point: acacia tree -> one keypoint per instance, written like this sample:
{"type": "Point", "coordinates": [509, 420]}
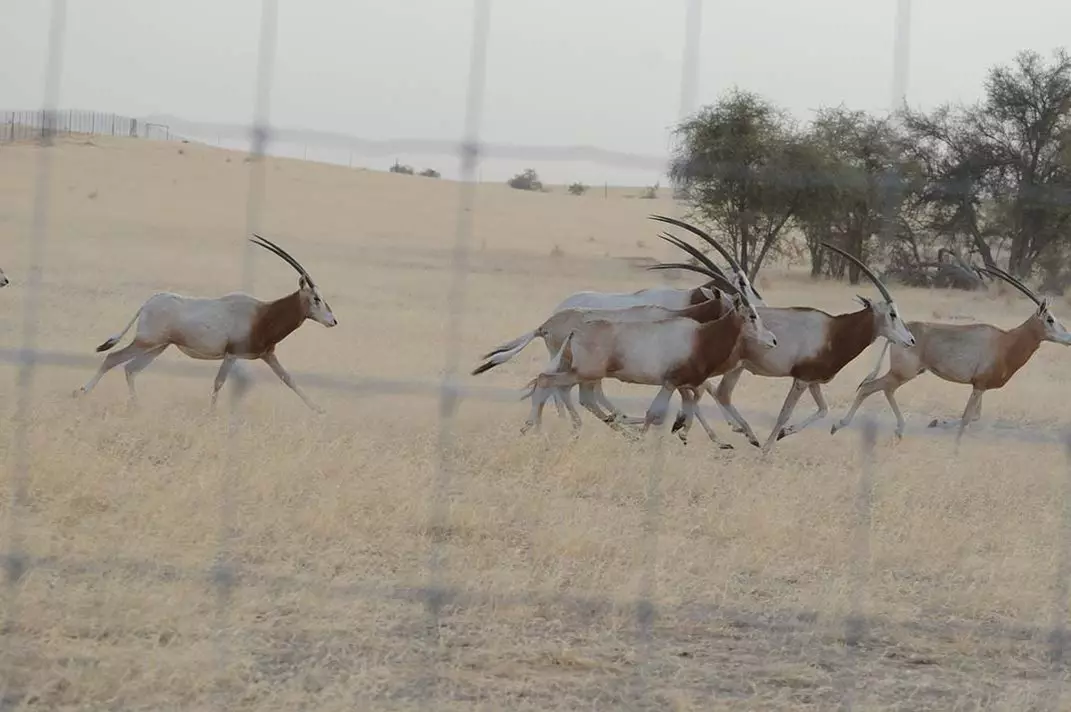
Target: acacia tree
{"type": "Point", "coordinates": [857, 185]}
{"type": "Point", "coordinates": [955, 164]}
{"type": "Point", "coordinates": [1025, 124]}
{"type": "Point", "coordinates": [741, 165]}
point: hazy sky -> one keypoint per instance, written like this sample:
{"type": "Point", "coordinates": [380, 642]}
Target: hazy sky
{"type": "Point", "coordinates": [598, 72]}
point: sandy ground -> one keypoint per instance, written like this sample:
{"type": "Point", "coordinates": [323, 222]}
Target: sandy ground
{"type": "Point", "coordinates": [173, 559]}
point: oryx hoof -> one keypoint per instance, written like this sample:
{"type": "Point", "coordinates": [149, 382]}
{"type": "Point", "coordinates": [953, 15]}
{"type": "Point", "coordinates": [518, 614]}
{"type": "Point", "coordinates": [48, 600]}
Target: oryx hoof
{"type": "Point", "coordinates": [678, 423]}
{"type": "Point", "coordinates": [756, 443]}
{"type": "Point", "coordinates": [737, 429]}
{"type": "Point", "coordinates": [726, 446]}
{"type": "Point", "coordinates": [833, 429]}
{"type": "Point", "coordinates": [785, 432]}
{"type": "Point", "coordinates": [934, 423]}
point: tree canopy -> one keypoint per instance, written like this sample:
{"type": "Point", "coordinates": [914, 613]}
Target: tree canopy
{"type": "Point", "coordinates": [988, 183]}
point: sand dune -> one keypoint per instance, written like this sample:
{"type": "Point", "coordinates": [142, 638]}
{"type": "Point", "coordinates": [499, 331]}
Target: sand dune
{"type": "Point", "coordinates": [328, 522]}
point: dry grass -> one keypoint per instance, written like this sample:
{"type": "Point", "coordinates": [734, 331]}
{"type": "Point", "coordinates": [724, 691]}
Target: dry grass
{"type": "Point", "coordinates": [544, 544]}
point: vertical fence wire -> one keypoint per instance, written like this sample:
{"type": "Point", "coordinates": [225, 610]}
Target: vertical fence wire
{"type": "Point", "coordinates": [1061, 589]}
{"type": "Point", "coordinates": [224, 573]}
{"type": "Point", "coordinates": [449, 392]}
{"type": "Point", "coordinates": [646, 597]}
{"type": "Point", "coordinates": [17, 560]}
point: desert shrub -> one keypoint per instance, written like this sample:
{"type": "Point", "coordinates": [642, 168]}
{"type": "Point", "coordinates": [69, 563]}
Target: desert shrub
{"type": "Point", "coordinates": [526, 180]}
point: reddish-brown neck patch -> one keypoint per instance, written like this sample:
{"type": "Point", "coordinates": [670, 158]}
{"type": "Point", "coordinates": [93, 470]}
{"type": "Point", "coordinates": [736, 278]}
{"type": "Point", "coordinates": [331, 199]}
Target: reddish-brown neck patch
{"type": "Point", "coordinates": [273, 323]}
{"type": "Point", "coordinates": [846, 337]}
{"type": "Point", "coordinates": [1016, 348]}
{"type": "Point", "coordinates": [715, 350]}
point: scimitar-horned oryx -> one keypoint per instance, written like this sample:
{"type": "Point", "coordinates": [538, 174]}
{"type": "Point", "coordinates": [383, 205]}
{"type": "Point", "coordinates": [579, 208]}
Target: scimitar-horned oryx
{"type": "Point", "coordinates": [812, 348]}
{"type": "Point", "coordinates": [666, 297]}
{"type": "Point", "coordinates": [234, 326]}
{"type": "Point", "coordinates": [982, 355]}
{"type": "Point", "coordinates": [675, 353]}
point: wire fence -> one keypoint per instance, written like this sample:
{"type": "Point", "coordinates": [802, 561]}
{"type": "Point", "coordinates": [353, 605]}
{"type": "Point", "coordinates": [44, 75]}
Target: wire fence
{"type": "Point", "coordinates": [439, 598]}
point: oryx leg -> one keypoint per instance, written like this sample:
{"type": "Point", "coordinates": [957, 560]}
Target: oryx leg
{"type": "Point", "coordinates": [116, 358]}
{"type": "Point", "coordinates": [887, 384]}
{"type": "Point", "coordinates": [823, 410]}
{"type": "Point", "coordinates": [971, 413]}
{"type": "Point", "coordinates": [613, 409]}
{"type": "Point", "coordinates": [279, 371]}
{"type": "Point", "coordinates": [793, 397]}
{"type": "Point", "coordinates": [138, 364]}
{"type": "Point", "coordinates": [690, 408]}
{"type": "Point", "coordinates": [562, 401]}
{"type": "Point", "coordinates": [656, 412]}
{"type": "Point", "coordinates": [535, 415]}
{"type": "Point", "coordinates": [723, 395]}
{"type": "Point", "coordinates": [221, 376]}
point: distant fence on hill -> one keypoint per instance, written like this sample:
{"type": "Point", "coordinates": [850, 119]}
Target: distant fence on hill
{"type": "Point", "coordinates": [32, 125]}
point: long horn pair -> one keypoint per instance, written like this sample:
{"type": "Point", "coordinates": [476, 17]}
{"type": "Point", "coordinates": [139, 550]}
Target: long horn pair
{"type": "Point", "coordinates": [705, 237]}
{"type": "Point", "coordinates": [282, 254]}
{"type": "Point", "coordinates": [715, 277]}
{"type": "Point", "coordinates": [998, 272]}
{"type": "Point", "coordinates": [703, 259]}
{"type": "Point", "coordinates": [866, 270]}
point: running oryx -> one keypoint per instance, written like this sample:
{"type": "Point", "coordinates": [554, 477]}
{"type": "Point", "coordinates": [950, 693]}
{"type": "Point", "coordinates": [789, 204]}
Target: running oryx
{"type": "Point", "coordinates": [675, 353]}
{"type": "Point", "coordinates": [666, 297]}
{"type": "Point", "coordinates": [982, 355]}
{"type": "Point", "coordinates": [234, 326]}
{"type": "Point", "coordinates": [813, 347]}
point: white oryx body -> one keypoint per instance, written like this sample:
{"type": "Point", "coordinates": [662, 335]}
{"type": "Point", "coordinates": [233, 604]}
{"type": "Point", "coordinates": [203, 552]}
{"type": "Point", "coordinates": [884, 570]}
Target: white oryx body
{"type": "Point", "coordinates": [555, 330]}
{"type": "Point", "coordinates": [666, 297]}
{"type": "Point", "coordinates": [227, 328]}
{"type": "Point", "coordinates": [981, 355]}
{"type": "Point", "coordinates": [676, 354]}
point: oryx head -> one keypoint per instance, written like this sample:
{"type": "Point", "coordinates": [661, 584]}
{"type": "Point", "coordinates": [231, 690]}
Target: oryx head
{"type": "Point", "coordinates": [3, 279]}
{"type": "Point", "coordinates": [754, 330]}
{"type": "Point", "coordinates": [739, 276]}
{"type": "Point", "coordinates": [1051, 327]}
{"type": "Point", "coordinates": [316, 307]}
{"type": "Point", "coordinates": [888, 322]}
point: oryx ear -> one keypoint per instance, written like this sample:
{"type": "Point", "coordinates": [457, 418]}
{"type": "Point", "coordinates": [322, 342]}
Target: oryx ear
{"type": "Point", "coordinates": [708, 293]}
{"type": "Point", "coordinates": [864, 301]}
{"type": "Point", "coordinates": [302, 282]}
{"type": "Point", "coordinates": [738, 302]}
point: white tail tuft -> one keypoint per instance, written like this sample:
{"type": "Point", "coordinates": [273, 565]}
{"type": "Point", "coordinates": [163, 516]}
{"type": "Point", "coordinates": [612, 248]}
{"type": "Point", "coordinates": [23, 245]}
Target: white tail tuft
{"type": "Point", "coordinates": [506, 352]}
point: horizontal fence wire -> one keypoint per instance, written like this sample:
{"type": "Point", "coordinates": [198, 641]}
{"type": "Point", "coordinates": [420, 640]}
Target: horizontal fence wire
{"type": "Point", "coordinates": [792, 626]}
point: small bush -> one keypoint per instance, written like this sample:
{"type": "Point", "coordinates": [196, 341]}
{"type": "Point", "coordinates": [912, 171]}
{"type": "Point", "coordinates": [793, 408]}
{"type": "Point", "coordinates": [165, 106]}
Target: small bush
{"type": "Point", "coordinates": [430, 173]}
{"type": "Point", "coordinates": [650, 192]}
{"type": "Point", "coordinates": [527, 180]}
{"type": "Point", "coordinates": [400, 168]}
{"type": "Point", "coordinates": [577, 188]}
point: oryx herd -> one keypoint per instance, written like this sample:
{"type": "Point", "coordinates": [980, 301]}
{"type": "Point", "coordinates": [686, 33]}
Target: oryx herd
{"type": "Point", "coordinates": [678, 339]}
{"type": "Point", "coordinates": [675, 339]}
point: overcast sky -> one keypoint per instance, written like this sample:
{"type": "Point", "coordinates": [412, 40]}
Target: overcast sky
{"type": "Point", "coordinates": [560, 72]}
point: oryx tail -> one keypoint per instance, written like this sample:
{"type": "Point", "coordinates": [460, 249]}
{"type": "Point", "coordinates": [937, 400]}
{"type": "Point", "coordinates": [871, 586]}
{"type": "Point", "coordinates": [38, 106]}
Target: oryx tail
{"type": "Point", "coordinates": [507, 351]}
{"type": "Point", "coordinates": [118, 337]}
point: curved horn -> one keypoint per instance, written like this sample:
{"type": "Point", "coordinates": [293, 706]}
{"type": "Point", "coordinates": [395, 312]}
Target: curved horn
{"type": "Point", "coordinates": [866, 270]}
{"type": "Point", "coordinates": [691, 250]}
{"type": "Point", "coordinates": [704, 236]}
{"type": "Point", "coordinates": [998, 272]}
{"type": "Point", "coordinates": [282, 254]}
{"type": "Point", "coordinates": [718, 279]}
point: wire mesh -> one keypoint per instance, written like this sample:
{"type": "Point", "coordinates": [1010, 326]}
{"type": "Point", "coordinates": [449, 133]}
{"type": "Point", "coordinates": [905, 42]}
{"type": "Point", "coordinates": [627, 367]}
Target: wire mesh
{"type": "Point", "coordinates": [796, 628]}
